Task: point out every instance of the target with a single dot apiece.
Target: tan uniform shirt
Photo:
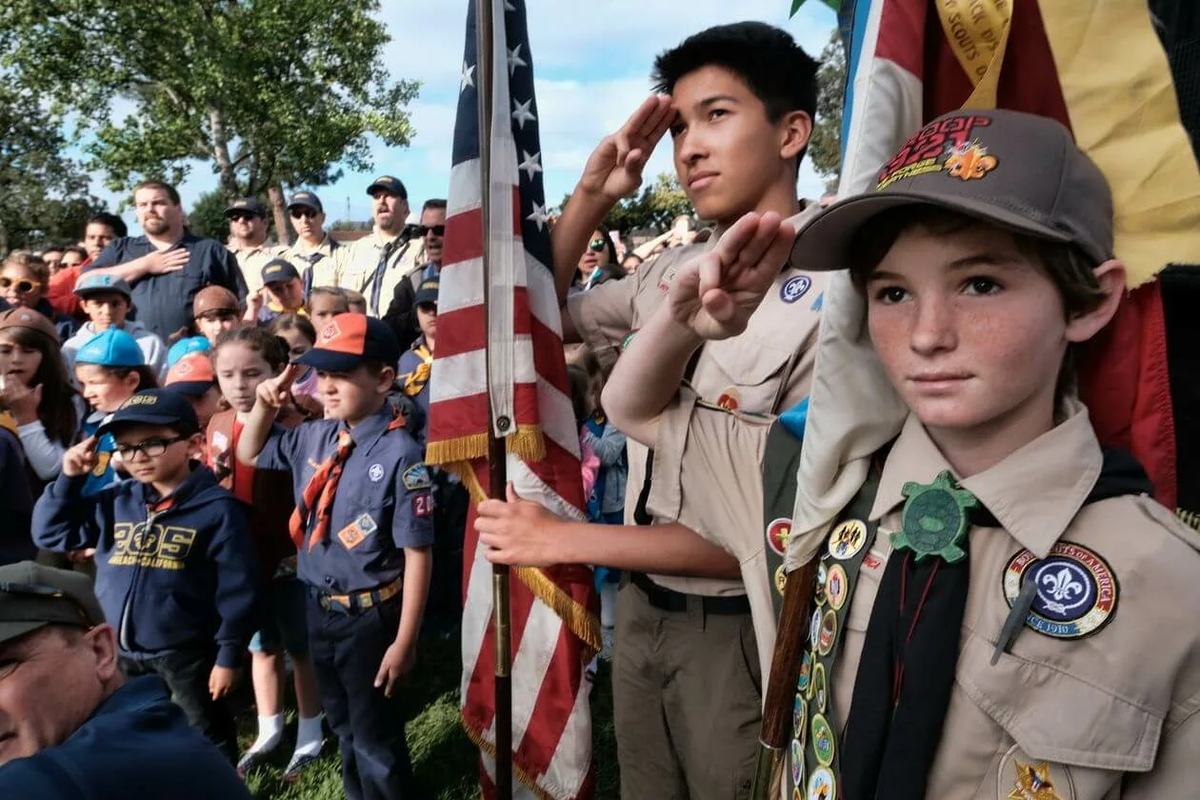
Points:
(251, 260)
(1110, 715)
(354, 266)
(766, 368)
(301, 257)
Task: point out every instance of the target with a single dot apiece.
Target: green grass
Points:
(445, 763)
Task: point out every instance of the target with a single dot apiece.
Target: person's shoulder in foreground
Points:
(70, 725)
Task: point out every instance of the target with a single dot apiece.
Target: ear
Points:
(387, 377)
(133, 381)
(795, 129)
(196, 446)
(103, 643)
(1111, 275)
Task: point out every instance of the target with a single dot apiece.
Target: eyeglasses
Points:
(241, 217)
(47, 593)
(596, 244)
(436, 230)
(303, 213)
(151, 448)
(220, 315)
(23, 286)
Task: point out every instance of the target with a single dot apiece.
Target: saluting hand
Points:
(518, 532)
(716, 293)
(276, 392)
(80, 459)
(614, 169)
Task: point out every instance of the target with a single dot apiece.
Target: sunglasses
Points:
(23, 286)
(151, 448)
(596, 244)
(436, 230)
(241, 217)
(303, 213)
(47, 593)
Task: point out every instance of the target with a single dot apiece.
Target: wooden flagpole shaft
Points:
(497, 455)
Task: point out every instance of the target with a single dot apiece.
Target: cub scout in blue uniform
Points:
(175, 565)
(417, 361)
(364, 528)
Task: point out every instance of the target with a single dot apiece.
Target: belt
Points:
(670, 600)
(359, 602)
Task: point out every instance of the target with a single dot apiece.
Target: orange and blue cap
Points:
(348, 340)
(191, 375)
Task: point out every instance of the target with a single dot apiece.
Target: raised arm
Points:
(273, 394)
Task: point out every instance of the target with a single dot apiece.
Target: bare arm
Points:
(273, 394)
(400, 655)
(155, 263)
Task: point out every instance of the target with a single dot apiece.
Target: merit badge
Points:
(366, 523)
(730, 400)
(822, 740)
(806, 664)
(847, 539)
(814, 628)
(777, 534)
(821, 785)
(836, 585)
(1033, 781)
(828, 633)
(1076, 590)
(800, 719)
(350, 536)
(415, 477)
(794, 288)
(934, 521)
(780, 579)
(819, 687)
(375, 473)
(797, 762)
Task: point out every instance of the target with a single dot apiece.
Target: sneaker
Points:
(251, 760)
(297, 765)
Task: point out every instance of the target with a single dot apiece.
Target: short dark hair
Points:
(171, 191)
(776, 69)
(113, 221)
(77, 250)
(436, 202)
(272, 348)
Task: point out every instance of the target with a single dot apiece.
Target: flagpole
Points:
(497, 455)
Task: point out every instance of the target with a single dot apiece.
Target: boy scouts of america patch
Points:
(795, 288)
(416, 477)
(942, 146)
(1076, 590)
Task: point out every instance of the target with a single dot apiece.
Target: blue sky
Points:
(591, 62)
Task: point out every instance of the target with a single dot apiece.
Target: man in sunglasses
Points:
(314, 249)
(248, 240)
(70, 724)
(402, 312)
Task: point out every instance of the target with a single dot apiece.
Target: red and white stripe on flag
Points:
(499, 355)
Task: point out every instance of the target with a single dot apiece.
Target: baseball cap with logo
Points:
(215, 298)
(191, 375)
(427, 294)
(306, 200)
(246, 205)
(348, 340)
(390, 185)
(33, 596)
(153, 407)
(189, 344)
(90, 283)
(112, 348)
(1007, 168)
(31, 320)
(278, 270)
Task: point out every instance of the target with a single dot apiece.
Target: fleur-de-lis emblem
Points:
(970, 162)
(1062, 589)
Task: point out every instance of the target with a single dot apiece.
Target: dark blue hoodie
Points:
(180, 580)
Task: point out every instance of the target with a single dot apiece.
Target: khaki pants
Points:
(687, 701)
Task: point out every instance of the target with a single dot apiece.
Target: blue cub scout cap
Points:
(191, 344)
(113, 348)
(153, 407)
(91, 283)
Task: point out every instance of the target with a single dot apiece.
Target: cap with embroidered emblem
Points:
(390, 185)
(91, 283)
(306, 200)
(112, 348)
(33, 595)
(153, 407)
(214, 298)
(427, 294)
(191, 375)
(278, 270)
(190, 344)
(28, 319)
(246, 205)
(1007, 168)
(348, 340)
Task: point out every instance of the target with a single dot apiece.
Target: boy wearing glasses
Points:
(402, 312)
(175, 565)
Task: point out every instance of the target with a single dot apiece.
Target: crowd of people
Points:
(228, 439)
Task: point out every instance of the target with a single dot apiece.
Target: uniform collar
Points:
(1034, 493)
(324, 248)
(371, 428)
(249, 251)
(380, 241)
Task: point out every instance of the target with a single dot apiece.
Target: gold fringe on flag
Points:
(462, 449)
(520, 774)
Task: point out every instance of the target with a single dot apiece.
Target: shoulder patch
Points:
(416, 477)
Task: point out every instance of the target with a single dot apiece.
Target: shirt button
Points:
(328, 580)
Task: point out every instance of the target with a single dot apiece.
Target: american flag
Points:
(507, 357)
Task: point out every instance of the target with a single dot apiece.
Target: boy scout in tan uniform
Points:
(1073, 668)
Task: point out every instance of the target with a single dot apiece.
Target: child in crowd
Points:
(16, 498)
(186, 345)
(363, 527)
(326, 302)
(243, 359)
(300, 336)
(417, 361)
(35, 391)
(358, 303)
(282, 293)
(109, 369)
(24, 279)
(106, 301)
(193, 377)
(176, 571)
(215, 309)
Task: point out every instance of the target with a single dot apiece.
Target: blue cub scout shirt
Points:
(382, 503)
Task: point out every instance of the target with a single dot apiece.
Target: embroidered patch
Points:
(814, 629)
(800, 719)
(795, 288)
(780, 579)
(819, 687)
(421, 506)
(836, 585)
(847, 539)
(416, 477)
(797, 762)
(828, 633)
(1022, 778)
(777, 534)
(935, 520)
(730, 399)
(822, 740)
(821, 785)
(351, 536)
(1076, 590)
(806, 665)
(375, 473)
(1033, 782)
(366, 523)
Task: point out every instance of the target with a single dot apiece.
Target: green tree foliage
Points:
(824, 148)
(43, 194)
(269, 92)
(654, 207)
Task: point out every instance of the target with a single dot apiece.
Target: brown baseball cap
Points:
(25, 318)
(1014, 170)
(32, 596)
(215, 298)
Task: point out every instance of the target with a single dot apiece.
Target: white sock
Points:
(270, 732)
(308, 736)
